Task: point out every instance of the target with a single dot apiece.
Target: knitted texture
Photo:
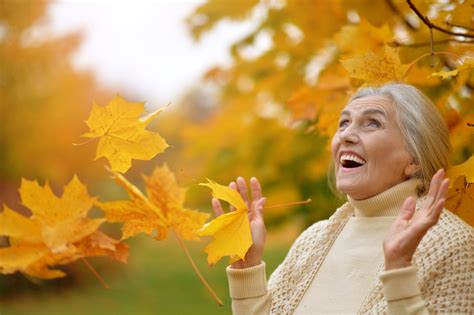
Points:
(445, 261)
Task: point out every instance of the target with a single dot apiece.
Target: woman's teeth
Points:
(349, 157)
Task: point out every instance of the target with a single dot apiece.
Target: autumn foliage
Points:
(278, 106)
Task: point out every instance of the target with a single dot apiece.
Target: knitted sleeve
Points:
(446, 271)
(402, 292)
(248, 290)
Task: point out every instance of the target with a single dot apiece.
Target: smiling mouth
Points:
(351, 161)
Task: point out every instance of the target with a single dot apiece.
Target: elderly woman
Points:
(391, 248)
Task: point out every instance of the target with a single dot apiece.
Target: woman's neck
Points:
(387, 203)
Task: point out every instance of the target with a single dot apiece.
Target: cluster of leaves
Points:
(283, 103)
(319, 53)
(57, 233)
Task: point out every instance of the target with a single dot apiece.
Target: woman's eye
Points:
(374, 123)
(343, 123)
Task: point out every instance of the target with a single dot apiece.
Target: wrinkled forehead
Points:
(381, 104)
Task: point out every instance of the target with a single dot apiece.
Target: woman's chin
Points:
(353, 190)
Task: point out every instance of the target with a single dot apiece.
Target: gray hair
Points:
(422, 126)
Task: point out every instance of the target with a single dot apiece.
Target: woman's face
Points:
(368, 148)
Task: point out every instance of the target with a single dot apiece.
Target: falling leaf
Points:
(466, 65)
(460, 200)
(376, 69)
(231, 231)
(58, 232)
(122, 133)
(465, 169)
(158, 211)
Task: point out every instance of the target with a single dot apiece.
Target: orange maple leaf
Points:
(122, 133)
(160, 210)
(57, 233)
(376, 69)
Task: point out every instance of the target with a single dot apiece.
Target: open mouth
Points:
(351, 161)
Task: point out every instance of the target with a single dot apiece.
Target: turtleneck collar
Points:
(387, 203)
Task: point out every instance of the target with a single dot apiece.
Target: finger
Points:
(258, 209)
(216, 205)
(232, 185)
(242, 188)
(260, 206)
(408, 209)
(433, 191)
(441, 193)
(441, 198)
(256, 188)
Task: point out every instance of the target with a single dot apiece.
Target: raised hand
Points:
(257, 225)
(409, 228)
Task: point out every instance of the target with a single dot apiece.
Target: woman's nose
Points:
(349, 135)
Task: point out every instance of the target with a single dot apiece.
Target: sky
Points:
(143, 45)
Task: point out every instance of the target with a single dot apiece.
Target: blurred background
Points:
(255, 88)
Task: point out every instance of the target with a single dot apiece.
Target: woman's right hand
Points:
(257, 226)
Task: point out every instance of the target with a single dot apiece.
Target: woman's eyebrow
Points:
(374, 111)
(366, 112)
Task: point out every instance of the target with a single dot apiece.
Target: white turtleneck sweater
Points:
(344, 278)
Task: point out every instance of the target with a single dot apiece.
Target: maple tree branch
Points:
(96, 274)
(436, 42)
(470, 124)
(289, 204)
(460, 26)
(196, 270)
(428, 23)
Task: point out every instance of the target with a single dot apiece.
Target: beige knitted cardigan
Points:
(445, 261)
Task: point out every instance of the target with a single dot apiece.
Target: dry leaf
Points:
(467, 65)
(465, 169)
(162, 209)
(231, 231)
(460, 200)
(122, 133)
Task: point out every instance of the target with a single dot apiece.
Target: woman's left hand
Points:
(409, 228)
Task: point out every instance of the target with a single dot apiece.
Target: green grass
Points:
(157, 280)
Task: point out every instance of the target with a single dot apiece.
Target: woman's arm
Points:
(248, 290)
(247, 279)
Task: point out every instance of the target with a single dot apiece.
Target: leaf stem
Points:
(196, 270)
(430, 54)
(289, 204)
(96, 274)
(84, 142)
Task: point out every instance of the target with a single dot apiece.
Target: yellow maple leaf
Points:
(231, 231)
(466, 65)
(122, 133)
(162, 209)
(58, 232)
(376, 69)
(465, 169)
(460, 199)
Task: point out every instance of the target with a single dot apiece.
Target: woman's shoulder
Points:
(450, 225)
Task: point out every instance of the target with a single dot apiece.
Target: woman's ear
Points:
(412, 168)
